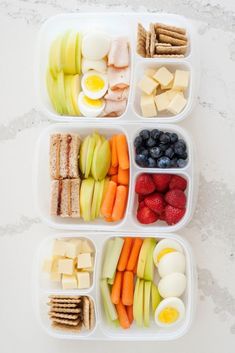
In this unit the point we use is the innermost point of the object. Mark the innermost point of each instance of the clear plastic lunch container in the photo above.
(42, 288)
(129, 123)
(118, 24)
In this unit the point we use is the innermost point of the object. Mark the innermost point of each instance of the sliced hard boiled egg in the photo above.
(165, 246)
(172, 285)
(97, 65)
(95, 45)
(171, 262)
(94, 84)
(90, 107)
(169, 312)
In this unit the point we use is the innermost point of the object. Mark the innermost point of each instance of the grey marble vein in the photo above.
(216, 15)
(19, 227)
(210, 106)
(26, 121)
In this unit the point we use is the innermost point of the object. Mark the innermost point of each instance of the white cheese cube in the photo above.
(83, 280)
(172, 93)
(147, 85)
(86, 247)
(147, 105)
(55, 277)
(162, 101)
(181, 80)
(66, 266)
(169, 86)
(177, 104)
(150, 72)
(69, 282)
(59, 248)
(163, 76)
(73, 248)
(84, 260)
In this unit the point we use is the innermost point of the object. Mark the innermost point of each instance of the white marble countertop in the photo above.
(212, 124)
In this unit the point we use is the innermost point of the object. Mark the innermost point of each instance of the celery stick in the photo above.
(111, 280)
(107, 299)
(108, 250)
(110, 265)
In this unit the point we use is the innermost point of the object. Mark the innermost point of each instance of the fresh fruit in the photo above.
(158, 149)
(55, 64)
(173, 215)
(146, 216)
(101, 160)
(86, 195)
(177, 182)
(144, 184)
(135, 299)
(143, 255)
(149, 265)
(78, 54)
(68, 95)
(53, 92)
(155, 297)
(99, 197)
(90, 154)
(83, 154)
(176, 198)
(95, 200)
(147, 294)
(169, 312)
(75, 90)
(155, 202)
(61, 91)
(140, 304)
(69, 65)
(161, 181)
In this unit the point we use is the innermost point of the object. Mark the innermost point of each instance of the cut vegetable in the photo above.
(123, 176)
(109, 198)
(128, 288)
(110, 265)
(132, 262)
(108, 250)
(126, 249)
(107, 298)
(122, 151)
(116, 288)
(122, 315)
(119, 206)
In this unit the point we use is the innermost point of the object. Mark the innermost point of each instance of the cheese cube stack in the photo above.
(162, 90)
(71, 263)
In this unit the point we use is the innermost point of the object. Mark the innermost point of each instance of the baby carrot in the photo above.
(114, 178)
(129, 311)
(128, 288)
(113, 170)
(133, 259)
(122, 151)
(122, 315)
(108, 219)
(135, 268)
(123, 176)
(126, 249)
(120, 203)
(116, 288)
(109, 198)
(114, 159)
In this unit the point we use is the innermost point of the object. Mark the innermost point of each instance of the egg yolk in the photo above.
(94, 83)
(164, 252)
(168, 315)
(96, 103)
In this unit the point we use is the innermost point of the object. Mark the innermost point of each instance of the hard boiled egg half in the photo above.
(165, 246)
(90, 107)
(94, 84)
(169, 312)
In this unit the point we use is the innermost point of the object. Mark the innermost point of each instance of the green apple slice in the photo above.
(155, 296)
(78, 52)
(75, 90)
(102, 160)
(52, 91)
(135, 298)
(89, 156)
(68, 95)
(70, 53)
(54, 56)
(149, 266)
(143, 257)
(86, 195)
(61, 91)
(147, 293)
(96, 194)
(83, 154)
(94, 170)
(140, 304)
(64, 41)
(99, 200)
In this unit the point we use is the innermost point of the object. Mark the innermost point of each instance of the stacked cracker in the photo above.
(65, 185)
(71, 313)
(161, 41)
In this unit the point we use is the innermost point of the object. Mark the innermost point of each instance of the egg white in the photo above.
(94, 94)
(172, 285)
(170, 263)
(171, 302)
(89, 110)
(165, 244)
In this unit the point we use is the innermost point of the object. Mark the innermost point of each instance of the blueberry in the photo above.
(184, 155)
(174, 137)
(155, 134)
(138, 141)
(164, 138)
(155, 152)
(181, 163)
(179, 148)
(142, 150)
(164, 162)
(145, 134)
(163, 147)
(152, 163)
(141, 160)
(174, 163)
(150, 142)
(169, 152)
